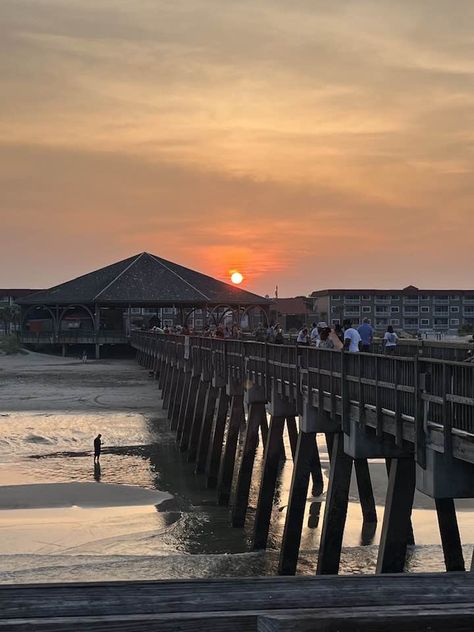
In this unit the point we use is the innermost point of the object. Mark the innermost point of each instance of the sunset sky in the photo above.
(304, 143)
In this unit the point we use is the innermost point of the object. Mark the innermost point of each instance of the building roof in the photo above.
(290, 306)
(17, 292)
(144, 279)
(410, 289)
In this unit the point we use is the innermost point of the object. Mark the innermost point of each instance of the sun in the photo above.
(236, 278)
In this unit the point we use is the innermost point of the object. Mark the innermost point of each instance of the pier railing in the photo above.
(414, 411)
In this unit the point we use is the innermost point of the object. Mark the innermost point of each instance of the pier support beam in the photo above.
(184, 431)
(173, 411)
(217, 438)
(256, 414)
(397, 515)
(197, 421)
(366, 493)
(226, 471)
(449, 531)
(335, 511)
(182, 405)
(206, 428)
(296, 503)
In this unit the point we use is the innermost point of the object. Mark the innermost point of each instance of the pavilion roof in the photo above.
(144, 279)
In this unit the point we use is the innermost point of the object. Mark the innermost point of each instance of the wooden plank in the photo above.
(262, 593)
(436, 618)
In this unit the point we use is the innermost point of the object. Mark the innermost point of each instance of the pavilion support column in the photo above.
(204, 442)
(296, 503)
(449, 531)
(255, 416)
(335, 511)
(197, 421)
(217, 438)
(189, 413)
(396, 520)
(226, 471)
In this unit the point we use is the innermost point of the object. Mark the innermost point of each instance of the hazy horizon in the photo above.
(308, 146)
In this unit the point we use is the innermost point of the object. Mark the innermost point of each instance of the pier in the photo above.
(414, 411)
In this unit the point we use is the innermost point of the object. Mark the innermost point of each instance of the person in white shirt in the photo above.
(314, 336)
(351, 338)
(390, 340)
(302, 336)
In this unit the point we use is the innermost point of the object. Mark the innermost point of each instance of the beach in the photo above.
(143, 513)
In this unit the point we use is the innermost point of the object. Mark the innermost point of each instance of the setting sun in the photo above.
(236, 278)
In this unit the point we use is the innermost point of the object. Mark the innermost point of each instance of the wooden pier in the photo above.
(412, 603)
(416, 412)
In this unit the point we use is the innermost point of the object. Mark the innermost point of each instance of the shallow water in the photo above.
(189, 536)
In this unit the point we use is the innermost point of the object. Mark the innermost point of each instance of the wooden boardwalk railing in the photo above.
(416, 412)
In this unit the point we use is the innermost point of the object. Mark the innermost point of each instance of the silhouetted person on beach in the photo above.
(97, 448)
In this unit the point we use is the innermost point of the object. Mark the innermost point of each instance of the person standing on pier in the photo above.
(352, 338)
(366, 332)
(390, 340)
(97, 448)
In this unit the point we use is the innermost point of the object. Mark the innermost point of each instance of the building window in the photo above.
(366, 309)
(395, 297)
(381, 310)
(336, 321)
(336, 297)
(135, 310)
(411, 322)
(425, 309)
(454, 309)
(455, 321)
(366, 297)
(441, 322)
(394, 321)
(425, 297)
(381, 322)
(394, 309)
(425, 322)
(454, 297)
(168, 310)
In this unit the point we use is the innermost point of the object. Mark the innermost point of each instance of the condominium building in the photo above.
(410, 309)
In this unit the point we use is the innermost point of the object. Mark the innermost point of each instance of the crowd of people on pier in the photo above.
(319, 335)
(347, 337)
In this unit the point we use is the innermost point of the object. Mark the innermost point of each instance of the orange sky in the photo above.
(307, 144)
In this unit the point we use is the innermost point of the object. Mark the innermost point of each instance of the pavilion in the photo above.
(93, 309)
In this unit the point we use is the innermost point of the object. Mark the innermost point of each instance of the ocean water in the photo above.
(189, 536)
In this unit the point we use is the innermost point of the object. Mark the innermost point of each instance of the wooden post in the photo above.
(217, 439)
(226, 471)
(176, 401)
(396, 519)
(335, 511)
(366, 493)
(268, 482)
(316, 472)
(296, 503)
(256, 414)
(183, 404)
(449, 531)
(411, 536)
(169, 386)
(185, 431)
(292, 434)
(197, 421)
(206, 428)
(164, 366)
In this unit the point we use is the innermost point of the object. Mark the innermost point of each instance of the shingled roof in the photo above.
(141, 280)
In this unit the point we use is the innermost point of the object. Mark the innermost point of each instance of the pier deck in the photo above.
(392, 602)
